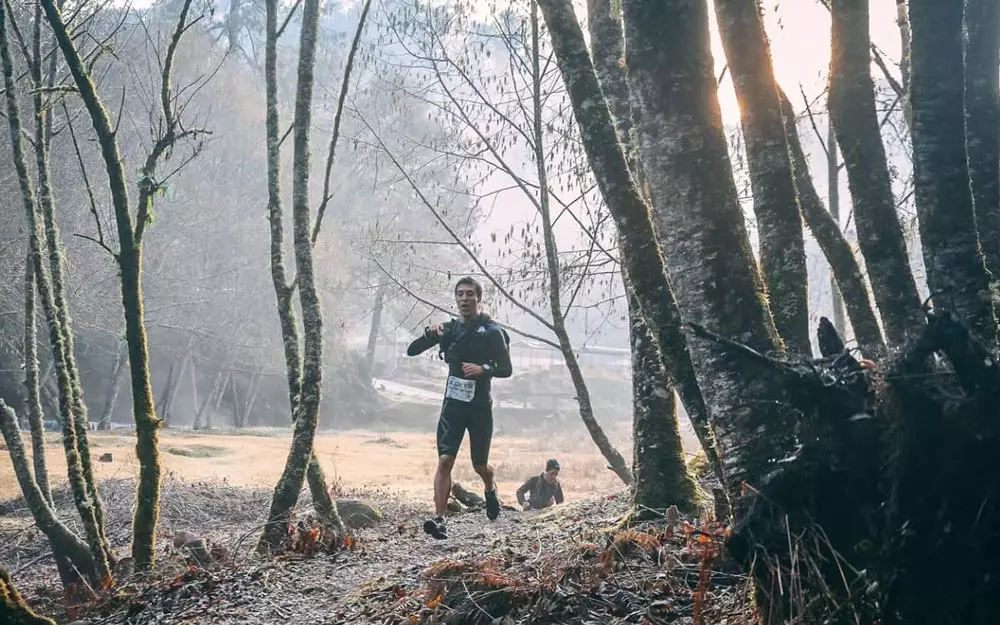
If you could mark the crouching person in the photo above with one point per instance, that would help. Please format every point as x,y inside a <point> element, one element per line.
<point>543,490</point>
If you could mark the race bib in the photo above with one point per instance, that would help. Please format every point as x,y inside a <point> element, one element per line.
<point>462,390</point>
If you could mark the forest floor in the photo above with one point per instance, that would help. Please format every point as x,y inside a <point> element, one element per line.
<point>565,565</point>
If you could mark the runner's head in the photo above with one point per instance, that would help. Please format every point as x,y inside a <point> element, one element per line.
<point>468,295</point>
<point>551,470</point>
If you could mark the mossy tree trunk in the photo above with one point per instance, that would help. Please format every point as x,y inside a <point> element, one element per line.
<point>956,272</point>
<point>129,256</point>
<point>53,243</point>
<point>32,389</point>
<point>659,480</point>
<point>284,291</point>
<point>852,108</point>
<point>306,406</point>
<point>982,122</point>
<point>65,544</point>
<point>700,227</point>
<point>78,485</point>
<point>779,222</point>
<point>847,274</point>
<point>615,460</point>
<point>13,609</point>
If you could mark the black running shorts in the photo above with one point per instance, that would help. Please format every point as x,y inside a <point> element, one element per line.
<point>456,418</point>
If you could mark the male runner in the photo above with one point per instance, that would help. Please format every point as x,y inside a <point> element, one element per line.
<point>475,349</point>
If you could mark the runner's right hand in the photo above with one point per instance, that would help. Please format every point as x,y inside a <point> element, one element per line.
<point>437,329</point>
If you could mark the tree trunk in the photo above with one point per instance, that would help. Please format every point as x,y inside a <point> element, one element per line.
<point>286,492</point>
<point>209,399</point>
<point>852,108</point>
<point>661,475</point>
<point>833,202</point>
<point>13,609</point>
<point>611,454</point>
<point>779,223</point>
<point>644,264</point>
<point>700,226</point>
<point>111,397</point>
<point>168,388</point>
<point>32,389</point>
<point>982,122</point>
<point>374,330</point>
<point>77,481</point>
<point>283,291</point>
<point>54,245</point>
<point>65,544</point>
<point>956,273</point>
<point>903,23</point>
<point>608,48</point>
<point>130,272</point>
<point>846,270</point>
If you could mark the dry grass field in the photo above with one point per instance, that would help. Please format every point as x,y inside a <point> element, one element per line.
<point>393,462</point>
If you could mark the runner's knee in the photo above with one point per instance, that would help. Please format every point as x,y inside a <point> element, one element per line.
<point>445,463</point>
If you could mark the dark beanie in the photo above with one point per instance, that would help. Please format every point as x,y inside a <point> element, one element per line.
<point>552,464</point>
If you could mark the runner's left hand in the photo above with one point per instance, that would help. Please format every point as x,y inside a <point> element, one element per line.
<point>470,370</point>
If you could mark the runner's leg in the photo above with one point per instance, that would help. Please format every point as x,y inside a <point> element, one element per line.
<point>480,440</point>
<point>450,431</point>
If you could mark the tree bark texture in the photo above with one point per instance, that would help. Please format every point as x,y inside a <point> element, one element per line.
<point>306,407</point>
<point>32,398</point>
<point>982,122</point>
<point>661,478</point>
<point>956,272</point>
<point>779,223</point>
<point>880,236</point>
<point>130,266</point>
<point>607,46</point>
<point>641,255</point>
<point>283,291</point>
<point>610,453</point>
<point>700,225</point>
<point>53,244</point>
<point>845,266</point>
<point>833,202</point>
<point>78,485</point>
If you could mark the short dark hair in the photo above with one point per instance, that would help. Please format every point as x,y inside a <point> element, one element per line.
<point>552,465</point>
<point>471,282</point>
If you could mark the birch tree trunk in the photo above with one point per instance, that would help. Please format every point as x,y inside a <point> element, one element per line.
<point>660,473</point>
<point>286,492</point>
<point>846,269</point>
<point>779,223</point>
<point>852,108</point>
<point>956,272</point>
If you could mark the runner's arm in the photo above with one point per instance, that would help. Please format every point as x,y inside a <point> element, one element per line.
<point>423,343</point>
<point>559,493</point>
<point>499,361</point>
<point>529,485</point>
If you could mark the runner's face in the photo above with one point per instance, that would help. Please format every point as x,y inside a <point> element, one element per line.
<point>550,476</point>
<point>468,303</point>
